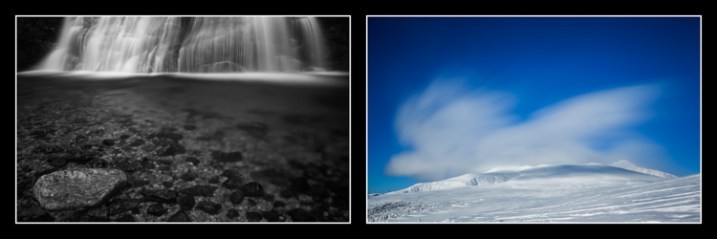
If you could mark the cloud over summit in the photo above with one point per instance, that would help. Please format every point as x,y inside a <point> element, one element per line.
<point>451,129</point>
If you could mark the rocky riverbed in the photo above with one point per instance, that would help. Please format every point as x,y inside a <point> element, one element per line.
<point>189,150</point>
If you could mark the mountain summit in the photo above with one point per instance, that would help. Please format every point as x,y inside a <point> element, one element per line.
<point>544,175</point>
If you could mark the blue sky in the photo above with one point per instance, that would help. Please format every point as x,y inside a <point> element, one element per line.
<point>448,96</point>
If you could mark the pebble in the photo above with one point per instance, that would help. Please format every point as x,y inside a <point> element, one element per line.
<point>209,207</point>
<point>253,216</point>
<point>156,210</point>
<point>253,189</point>
<point>237,197</point>
<point>186,202</point>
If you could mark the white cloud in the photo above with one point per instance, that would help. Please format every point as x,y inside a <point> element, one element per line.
<point>454,130</point>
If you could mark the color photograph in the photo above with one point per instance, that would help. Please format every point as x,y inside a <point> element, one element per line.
<point>534,119</point>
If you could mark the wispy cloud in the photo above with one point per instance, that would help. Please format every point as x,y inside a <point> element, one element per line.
<point>453,130</point>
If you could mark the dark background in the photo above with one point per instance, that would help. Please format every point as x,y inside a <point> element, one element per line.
<point>37,36</point>
<point>358,11</point>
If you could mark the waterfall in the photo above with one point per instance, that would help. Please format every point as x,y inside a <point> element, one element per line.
<point>181,44</point>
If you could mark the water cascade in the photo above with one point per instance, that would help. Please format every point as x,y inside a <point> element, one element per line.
<point>182,44</point>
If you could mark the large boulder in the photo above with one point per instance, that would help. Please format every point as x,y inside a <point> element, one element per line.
<point>77,188</point>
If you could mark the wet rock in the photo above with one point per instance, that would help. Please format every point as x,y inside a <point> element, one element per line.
<point>168,184</point>
<point>186,202</point>
<point>172,149</point>
<point>237,197</point>
<point>180,216</point>
<point>209,207</point>
<point>192,160</point>
<point>128,165</point>
<point>123,205</point>
<point>136,142</point>
<point>232,213</point>
<point>318,191</point>
<point>159,195</point>
<point>227,157</point>
<point>57,162</point>
<point>147,163</point>
<point>300,184</point>
<point>253,189</point>
<point>232,184</point>
<point>253,216</point>
<point>287,193</point>
<point>156,210</point>
<point>167,133</point>
<point>190,127</point>
<point>108,142</point>
<point>199,190</point>
<point>133,182</point>
<point>189,176</point>
<point>254,129</point>
<point>125,218</point>
<point>124,137</point>
<point>165,162</point>
<point>279,204</point>
<point>232,174</point>
<point>268,197</point>
<point>300,215</point>
<point>77,188</point>
<point>33,213</point>
<point>214,179</point>
<point>271,216</point>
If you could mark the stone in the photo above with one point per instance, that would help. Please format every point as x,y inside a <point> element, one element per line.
<point>192,160</point>
<point>232,184</point>
<point>123,205</point>
<point>172,149</point>
<point>254,129</point>
<point>300,184</point>
<point>271,216</point>
<point>147,163</point>
<point>300,215</point>
<point>108,142</point>
<point>186,202</point>
<point>199,190</point>
<point>279,204</point>
<point>168,184</point>
<point>33,213</point>
<point>125,218</point>
<point>180,216</point>
<point>159,195</point>
<point>253,216</point>
<point>57,162</point>
<point>227,157</point>
<point>129,165</point>
<point>189,176</point>
<point>214,179</point>
<point>136,142</point>
<point>77,188</point>
<point>156,210</point>
<point>232,213</point>
<point>237,197</point>
<point>209,207</point>
<point>232,174</point>
<point>190,127</point>
<point>253,189</point>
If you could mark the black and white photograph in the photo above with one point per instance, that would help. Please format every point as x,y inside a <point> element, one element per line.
<point>182,119</point>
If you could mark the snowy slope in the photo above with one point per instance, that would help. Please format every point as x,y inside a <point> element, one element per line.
<point>630,166</point>
<point>544,174</point>
<point>668,200</point>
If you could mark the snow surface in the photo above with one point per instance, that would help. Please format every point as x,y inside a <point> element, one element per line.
<point>630,166</point>
<point>562,193</point>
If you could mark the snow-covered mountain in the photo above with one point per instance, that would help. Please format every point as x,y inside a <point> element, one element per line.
<point>548,174</point>
<point>664,200</point>
<point>630,166</point>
